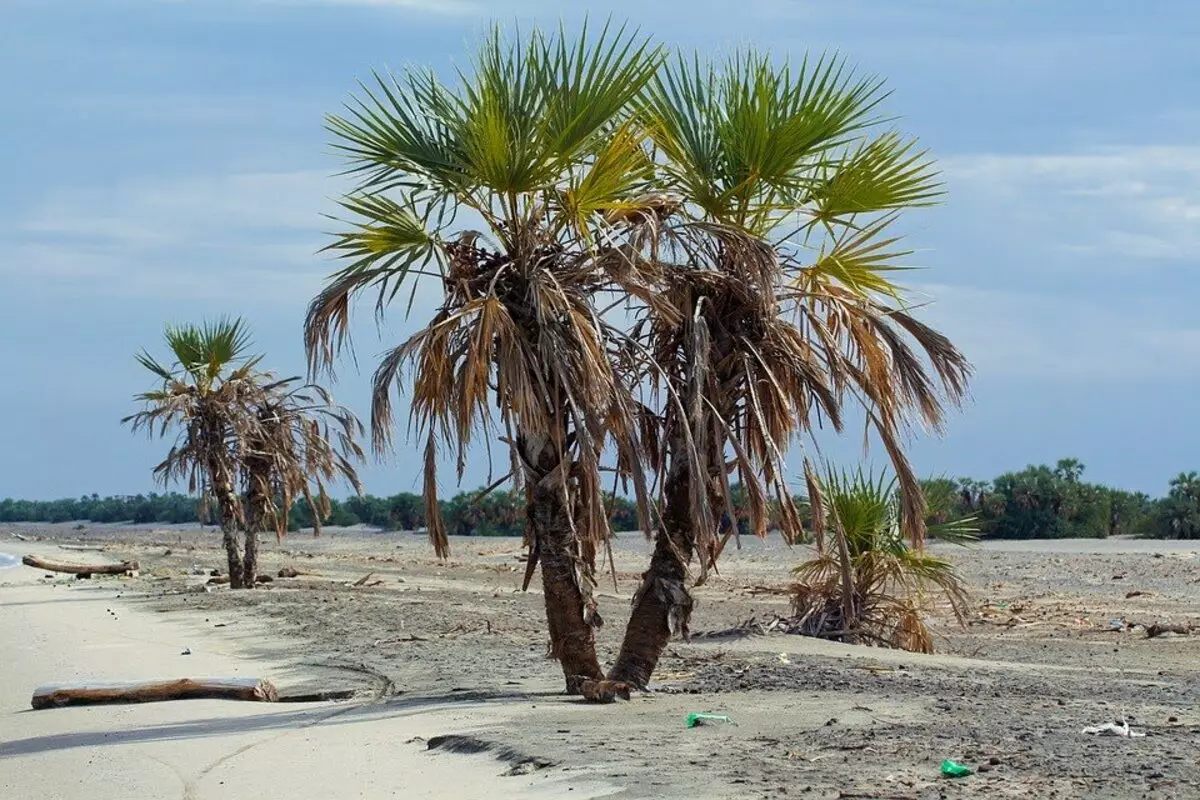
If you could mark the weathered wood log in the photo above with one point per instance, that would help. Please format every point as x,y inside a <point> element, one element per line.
<point>83,548</point>
<point>80,694</point>
<point>1159,628</point>
<point>80,569</point>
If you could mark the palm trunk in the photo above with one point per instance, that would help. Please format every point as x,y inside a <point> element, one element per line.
<point>662,603</point>
<point>250,560</point>
<point>557,547</point>
<point>257,512</point>
<point>227,503</point>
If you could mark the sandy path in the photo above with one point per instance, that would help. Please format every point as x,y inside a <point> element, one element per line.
<point>201,749</point>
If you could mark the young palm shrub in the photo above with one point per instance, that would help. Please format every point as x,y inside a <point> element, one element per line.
<point>775,264</point>
<point>207,399</point>
<point>871,585</point>
<point>534,146</point>
<point>303,442</point>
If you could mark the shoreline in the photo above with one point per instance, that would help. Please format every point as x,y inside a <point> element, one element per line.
<point>65,630</point>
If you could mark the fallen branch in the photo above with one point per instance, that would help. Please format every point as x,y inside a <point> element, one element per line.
<point>1159,628</point>
<point>80,569</point>
<point>363,580</point>
<point>83,548</point>
<point>78,694</point>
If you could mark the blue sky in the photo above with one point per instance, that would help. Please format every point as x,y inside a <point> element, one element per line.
<point>166,161</point>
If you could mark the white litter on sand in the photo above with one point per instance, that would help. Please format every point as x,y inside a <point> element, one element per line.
<point>1113,729</point>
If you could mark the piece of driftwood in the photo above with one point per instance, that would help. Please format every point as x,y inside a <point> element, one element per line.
<point>80,694</point>
<point>80,569</point>
<point>83,548</point>
<point>1159,628</point>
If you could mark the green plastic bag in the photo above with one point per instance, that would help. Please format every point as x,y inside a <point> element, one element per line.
<point>699,719</point>
<point>952,769</point>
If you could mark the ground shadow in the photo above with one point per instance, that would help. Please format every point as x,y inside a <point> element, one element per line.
<point>325,713</point>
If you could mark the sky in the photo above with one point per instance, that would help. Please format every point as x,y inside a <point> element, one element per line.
<point>165,161</point>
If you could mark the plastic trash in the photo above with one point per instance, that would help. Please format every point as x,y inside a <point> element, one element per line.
<point>703,719</point>
<point>953,769</point>
<point>1113,729</point>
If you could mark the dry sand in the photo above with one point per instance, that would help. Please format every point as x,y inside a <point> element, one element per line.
<point>455,649</point>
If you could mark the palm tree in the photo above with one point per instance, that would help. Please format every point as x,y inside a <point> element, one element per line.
<point>206,399</point>
<point>303,441</point>
<point>873,585</point>
<point>534,147</point>
<point>777,259</point>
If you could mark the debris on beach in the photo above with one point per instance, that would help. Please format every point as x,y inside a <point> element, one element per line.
<point>1160,628</point>
<point>80,569</point>
<point>952,769</point>
<point>1114,729</point>
<point>77,694</point>
<point>695,720</point>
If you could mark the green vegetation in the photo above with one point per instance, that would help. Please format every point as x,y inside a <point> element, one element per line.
<point>501,513</point>
<point>1042,502</point>
<point>1038,502</point>
<point>867,581</point>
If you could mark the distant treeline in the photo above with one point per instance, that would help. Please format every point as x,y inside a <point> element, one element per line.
<point>1038,502</point>
<point>499,513</point>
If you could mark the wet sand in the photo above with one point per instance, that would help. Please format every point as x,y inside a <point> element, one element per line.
<point>455,648</point>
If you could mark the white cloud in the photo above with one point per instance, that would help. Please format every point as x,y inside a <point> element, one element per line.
<point>242,235</point>
<point>1064,336</point>
<point>1127,202</point>
<point>446,7</point>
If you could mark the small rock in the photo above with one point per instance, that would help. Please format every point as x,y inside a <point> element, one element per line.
<point>1172,719</point>
<point>994,761</point>
<point>187,651</point>
<point>985,768</point>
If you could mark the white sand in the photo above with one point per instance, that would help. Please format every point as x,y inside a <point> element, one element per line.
<point>208,749</point>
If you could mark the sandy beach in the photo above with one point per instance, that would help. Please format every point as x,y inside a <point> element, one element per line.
<point>454,649</point>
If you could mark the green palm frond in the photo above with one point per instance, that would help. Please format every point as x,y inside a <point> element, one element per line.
<point>859,260</point>
<point>611,182</point>
<point>884,174</point>
<point>204,351</point>
<point>748,145</point>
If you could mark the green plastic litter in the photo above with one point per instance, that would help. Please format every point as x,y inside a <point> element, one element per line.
<point>699,719</point>
<point>952,769</point>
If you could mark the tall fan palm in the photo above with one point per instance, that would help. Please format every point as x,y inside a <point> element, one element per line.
<point>207,400</point>
<point>534,146</point>
<point>303,441</point>
<point>777,259</point>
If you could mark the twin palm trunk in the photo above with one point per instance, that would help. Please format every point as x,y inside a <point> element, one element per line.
<point>661,605</point>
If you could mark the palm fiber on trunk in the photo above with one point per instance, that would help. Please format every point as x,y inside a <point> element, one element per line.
<point>662,604</point>
<point>556,546</point>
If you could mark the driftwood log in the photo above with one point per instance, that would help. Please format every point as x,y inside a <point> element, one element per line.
<point>81,694</point>
<point>80,569</point>
<point>1159,628</point>
<point>83,548</point>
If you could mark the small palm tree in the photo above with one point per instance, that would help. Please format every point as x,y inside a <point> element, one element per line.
<point>235,425</point>
<point>781,307</point>
<point>534,147</point>
<point>871,584</point>
<point>207,400</point>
